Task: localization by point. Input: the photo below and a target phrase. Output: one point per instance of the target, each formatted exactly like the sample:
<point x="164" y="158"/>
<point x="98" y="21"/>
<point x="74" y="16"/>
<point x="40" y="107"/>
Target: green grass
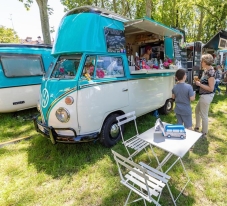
<point x="16" y="125"/>
<point x="35" y="172"/>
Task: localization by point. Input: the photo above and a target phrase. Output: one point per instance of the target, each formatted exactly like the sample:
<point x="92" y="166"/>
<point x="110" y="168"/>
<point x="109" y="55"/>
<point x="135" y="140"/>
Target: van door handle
<point x="124" y="90"/>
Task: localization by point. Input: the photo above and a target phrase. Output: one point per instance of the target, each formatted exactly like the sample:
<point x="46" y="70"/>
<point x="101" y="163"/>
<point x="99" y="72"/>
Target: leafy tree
<point x="8" y="35"/>
<point x="44" y="11"/>
<point x="200" y="19"/>
<point x="123" y="7"/>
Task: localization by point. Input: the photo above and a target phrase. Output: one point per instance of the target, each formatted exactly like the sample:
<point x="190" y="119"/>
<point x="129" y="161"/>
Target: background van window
<point x="19" y="66"/>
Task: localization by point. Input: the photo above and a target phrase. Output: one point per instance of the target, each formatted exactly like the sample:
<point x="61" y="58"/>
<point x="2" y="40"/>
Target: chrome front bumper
<point x="51" y="133"/>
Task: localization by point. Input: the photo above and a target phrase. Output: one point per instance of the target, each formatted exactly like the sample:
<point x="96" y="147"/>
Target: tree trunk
<point x="102" y="3"/>
<point x="114" y="6"/>
<point x="173" y="13"/>
<point x="123" y="12"/>
<point x="44" y="20"/>
<point x="148" y="8"/>
<point x="200" y="29"/>
<point x="128" y="9"/>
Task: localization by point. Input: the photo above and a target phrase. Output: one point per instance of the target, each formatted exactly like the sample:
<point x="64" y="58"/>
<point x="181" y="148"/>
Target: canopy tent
<point x="218" y="41"/>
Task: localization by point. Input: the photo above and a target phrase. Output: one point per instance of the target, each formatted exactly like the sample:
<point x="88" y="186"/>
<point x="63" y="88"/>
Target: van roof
<point x="96" y="10"/>
<point x="26" y="45"/>
<point x="173" y="126"/>
<point x="89" y="38"/>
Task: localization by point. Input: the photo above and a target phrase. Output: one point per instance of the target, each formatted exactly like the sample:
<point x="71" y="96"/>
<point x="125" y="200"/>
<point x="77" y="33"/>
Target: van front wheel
<point x="167" y="108"/>
<point x="110" y="133"/>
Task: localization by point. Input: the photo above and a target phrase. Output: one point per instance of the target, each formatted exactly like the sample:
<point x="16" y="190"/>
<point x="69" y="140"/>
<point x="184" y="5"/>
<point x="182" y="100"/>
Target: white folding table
<point x="174" y="146"/>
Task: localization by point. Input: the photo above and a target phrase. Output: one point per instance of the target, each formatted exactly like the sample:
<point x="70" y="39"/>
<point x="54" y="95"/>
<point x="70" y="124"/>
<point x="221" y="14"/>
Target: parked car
<point x="21" y="70"/>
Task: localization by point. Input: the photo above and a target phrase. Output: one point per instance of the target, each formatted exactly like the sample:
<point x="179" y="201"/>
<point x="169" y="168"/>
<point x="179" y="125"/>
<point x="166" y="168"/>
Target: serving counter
<point x="153" y="71"/>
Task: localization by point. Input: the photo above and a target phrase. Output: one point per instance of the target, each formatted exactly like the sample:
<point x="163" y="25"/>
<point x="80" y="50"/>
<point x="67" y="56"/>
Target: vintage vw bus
<point x="92" y="81"/>
<point x="21" y="70"/>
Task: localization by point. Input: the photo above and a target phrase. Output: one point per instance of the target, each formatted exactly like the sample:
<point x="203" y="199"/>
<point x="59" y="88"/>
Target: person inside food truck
<point x="148" y="52"/>
<point x="88" y="70"/>
<point x="147" y="58"/>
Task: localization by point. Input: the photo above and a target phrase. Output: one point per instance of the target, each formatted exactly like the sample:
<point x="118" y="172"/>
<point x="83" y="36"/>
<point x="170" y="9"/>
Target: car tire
<point x="182" y="136"/>
<point x="167" y="108"/>
<point x="169" y="136"/>
<point x="110" y="133"/>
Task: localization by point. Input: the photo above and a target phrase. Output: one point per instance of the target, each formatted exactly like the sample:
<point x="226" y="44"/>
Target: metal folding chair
<point x="134" y="143"/>
<point x="142" y="179"/>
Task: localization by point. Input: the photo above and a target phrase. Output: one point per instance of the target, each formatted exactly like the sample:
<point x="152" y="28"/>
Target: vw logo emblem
<point x="45" y="98"/>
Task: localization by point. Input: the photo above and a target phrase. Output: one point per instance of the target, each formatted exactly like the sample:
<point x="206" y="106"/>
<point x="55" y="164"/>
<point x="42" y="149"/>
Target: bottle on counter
<point x="132" y="61"/>
<point x="137" y="61"/>
<point x="129" y="61"/>
<point x="161" y="64"/>
<point x="143" y="63"/>
<point x="155" y="62"/>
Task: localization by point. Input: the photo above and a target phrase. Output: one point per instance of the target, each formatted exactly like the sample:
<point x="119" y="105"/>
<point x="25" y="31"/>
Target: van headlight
<point x="62" y="115"/>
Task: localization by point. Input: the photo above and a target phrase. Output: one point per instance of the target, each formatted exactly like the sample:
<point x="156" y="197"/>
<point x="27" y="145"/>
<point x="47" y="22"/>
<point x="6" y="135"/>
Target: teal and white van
<point x="94" y="78"/>
<point x="21" y="70"/>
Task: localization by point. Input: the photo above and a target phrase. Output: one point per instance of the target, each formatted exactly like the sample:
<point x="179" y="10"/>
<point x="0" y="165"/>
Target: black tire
<point x="110" y="133"/>
<point x="167" y="108"/>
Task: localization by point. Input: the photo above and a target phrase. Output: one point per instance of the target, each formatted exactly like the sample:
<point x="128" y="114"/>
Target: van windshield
<point x="66" y="67"/>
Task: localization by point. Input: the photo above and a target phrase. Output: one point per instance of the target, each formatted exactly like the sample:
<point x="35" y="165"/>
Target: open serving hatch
<point x="148" y="25"/>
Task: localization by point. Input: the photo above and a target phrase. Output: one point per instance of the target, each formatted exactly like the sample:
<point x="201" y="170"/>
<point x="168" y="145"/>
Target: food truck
<point x="95" y="77"/>
<point x="21" y="70"/>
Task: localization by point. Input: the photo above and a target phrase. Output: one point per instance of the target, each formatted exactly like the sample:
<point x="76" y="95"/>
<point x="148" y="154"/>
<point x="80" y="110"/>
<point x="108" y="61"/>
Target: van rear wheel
<point x="167" y="108"/>
<point x="110" y="133"/>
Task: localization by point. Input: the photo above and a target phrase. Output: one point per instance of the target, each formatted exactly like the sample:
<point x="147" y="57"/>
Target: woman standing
<point x="206" y="93"/>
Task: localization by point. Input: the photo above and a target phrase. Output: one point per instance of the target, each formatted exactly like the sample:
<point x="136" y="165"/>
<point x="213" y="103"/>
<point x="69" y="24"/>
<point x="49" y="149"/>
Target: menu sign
<point x="180" y="53"/>
<point x="197" y="53"/>
<point x="176" y="47"/>
<point x="184" y="63"/>
<point x="115" y="40"/>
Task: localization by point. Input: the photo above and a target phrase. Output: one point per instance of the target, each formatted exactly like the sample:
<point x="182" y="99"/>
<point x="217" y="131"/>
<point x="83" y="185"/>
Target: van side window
<point x="109" y="67"/>
<point x="22" y="65"/>
<point x="49" y="70"/>
<point x="89" y="67"/>
<point x="66" y="67"/>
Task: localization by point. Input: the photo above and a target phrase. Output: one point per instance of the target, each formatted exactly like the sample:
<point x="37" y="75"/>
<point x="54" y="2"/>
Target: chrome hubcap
<point x="114" y="131"/>
<point x="169" y="105"/>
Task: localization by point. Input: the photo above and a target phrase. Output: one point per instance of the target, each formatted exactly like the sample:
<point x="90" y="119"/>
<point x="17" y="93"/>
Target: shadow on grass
<point x="63" y="159"/>
<point x="218" y="98"/>
<point x="201" y="147"/>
